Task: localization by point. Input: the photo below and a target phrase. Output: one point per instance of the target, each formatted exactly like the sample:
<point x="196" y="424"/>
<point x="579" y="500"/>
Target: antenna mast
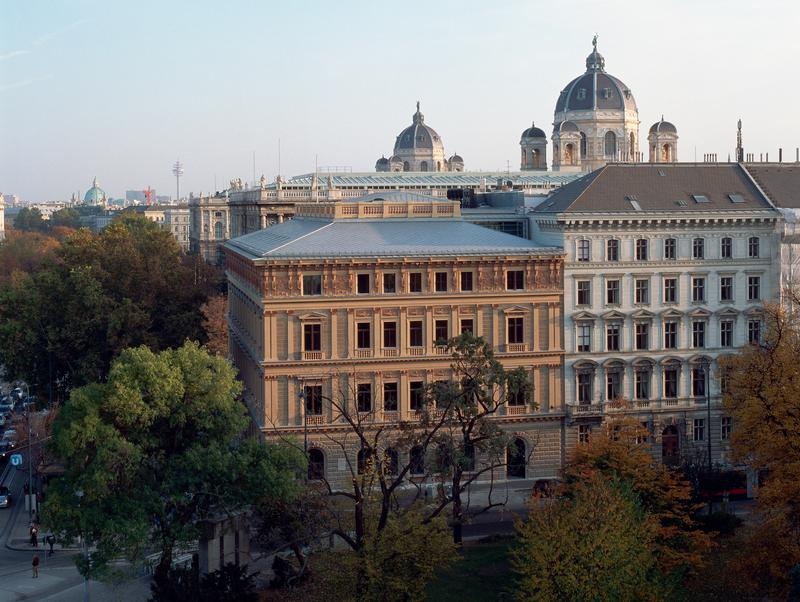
<point x="177" y="171"/>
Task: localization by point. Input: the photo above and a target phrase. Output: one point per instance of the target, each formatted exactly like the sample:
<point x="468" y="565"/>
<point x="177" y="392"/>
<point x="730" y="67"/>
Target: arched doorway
<point x="515" y="459"/>
<point x="670" y="445"/>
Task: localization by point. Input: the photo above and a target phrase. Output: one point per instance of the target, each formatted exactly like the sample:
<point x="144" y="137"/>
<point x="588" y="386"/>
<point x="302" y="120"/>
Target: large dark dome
<point x="418" y="135"/>
<point x="595" y="89"/>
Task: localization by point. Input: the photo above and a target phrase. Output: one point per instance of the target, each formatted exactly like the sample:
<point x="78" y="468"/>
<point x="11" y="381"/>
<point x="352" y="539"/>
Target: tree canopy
<point x="30" y="219"/>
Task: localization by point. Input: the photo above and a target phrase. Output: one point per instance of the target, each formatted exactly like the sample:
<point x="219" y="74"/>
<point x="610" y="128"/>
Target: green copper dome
<point x="95" y="195"/>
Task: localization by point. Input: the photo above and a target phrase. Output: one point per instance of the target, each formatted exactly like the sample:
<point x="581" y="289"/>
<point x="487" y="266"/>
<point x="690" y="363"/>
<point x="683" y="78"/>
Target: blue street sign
<point x="16" y="459"/>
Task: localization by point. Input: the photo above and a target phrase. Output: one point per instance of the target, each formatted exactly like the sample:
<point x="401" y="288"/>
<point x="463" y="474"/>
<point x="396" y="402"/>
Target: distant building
<point x="209" y="217"/>
<point x="176" y="220"/>
<point x="2" y="217"/>
<point x="95" y="196"/>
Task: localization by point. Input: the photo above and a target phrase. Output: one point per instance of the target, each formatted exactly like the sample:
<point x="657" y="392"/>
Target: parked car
<point x="5" y="497"/>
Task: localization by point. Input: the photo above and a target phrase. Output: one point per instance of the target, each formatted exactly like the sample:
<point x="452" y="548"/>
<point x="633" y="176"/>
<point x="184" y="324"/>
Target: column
<point x="402" y="334"/>
<point x="334" y="341"/>
<point x="290" y="336"/>
<point x="403" y="409"/>
<point x="495" y="327"/>
<point x="428" y="334"/>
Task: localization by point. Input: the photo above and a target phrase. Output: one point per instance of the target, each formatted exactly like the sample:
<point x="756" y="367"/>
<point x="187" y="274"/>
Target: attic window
<point x="680" y="203"/>
<point x="661" y="173"/>
<point x="581" y="93"/>
<point x="631" y="197"/>
<point x="635" y="204"/>
<point x="606" y="93"/>
<point x="700" y="198"/>
<point x="736" y="198"/>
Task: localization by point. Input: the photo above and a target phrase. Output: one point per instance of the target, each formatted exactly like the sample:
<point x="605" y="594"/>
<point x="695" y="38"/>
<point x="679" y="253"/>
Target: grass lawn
<point x="482" y="573"/>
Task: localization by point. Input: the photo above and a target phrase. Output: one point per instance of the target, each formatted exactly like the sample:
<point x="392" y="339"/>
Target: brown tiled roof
<point x="676" y="187"/>
<point x="779" y="181"/>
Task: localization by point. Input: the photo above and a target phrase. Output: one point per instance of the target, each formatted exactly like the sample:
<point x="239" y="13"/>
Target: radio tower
<point x="177" y="171"/>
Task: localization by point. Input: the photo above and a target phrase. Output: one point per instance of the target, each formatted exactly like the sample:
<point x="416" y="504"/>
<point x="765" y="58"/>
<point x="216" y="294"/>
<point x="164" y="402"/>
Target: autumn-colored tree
<point x="215" y="324"/>
<point x="23" y="252"/>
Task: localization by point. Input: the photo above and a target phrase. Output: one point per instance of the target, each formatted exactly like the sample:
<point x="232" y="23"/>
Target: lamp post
<point x="79" y="494"/>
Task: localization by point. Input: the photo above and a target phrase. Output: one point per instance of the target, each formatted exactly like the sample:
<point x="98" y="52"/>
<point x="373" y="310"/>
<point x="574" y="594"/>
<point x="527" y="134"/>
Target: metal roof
<point x="779" y="181"/>
<point x="441" y="179"/>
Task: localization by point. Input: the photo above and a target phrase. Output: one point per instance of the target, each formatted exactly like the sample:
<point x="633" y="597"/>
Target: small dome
<point x="663" y="127"/>
<point x="382" y="161"/>
<point x="533" y="132"/>
<point x="395" y="159"/>
<point x="95" y="195"/>
<point x="566" y="126"/>
<point x="456" y="159"/>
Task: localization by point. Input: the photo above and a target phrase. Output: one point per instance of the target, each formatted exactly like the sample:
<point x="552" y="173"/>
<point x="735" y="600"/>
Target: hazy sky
<point x="120" y="90"/>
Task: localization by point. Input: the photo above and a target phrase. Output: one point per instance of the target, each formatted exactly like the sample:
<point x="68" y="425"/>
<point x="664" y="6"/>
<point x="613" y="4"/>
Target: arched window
<point x="632" y="149"/>
<point x="515" y="459"/>
<point x="666" y="153"/>
<point x="417" y="460"/>
<point x="390" y="462"/>
<point x="584" y="146"/>
<point x="670" y="445"/>
<point x="423" y="166"/>
<point x="316" y="465"/>
<point x="364" y="460"/>
<point x="406" y="166"/>
<point x="438" y="166"/>
<point x="611" y="144"/>
<point x="525" y="158"/>
<point x="569" y="154"/>
<point x="536" y="159"/>
<point x="218" y="230"/>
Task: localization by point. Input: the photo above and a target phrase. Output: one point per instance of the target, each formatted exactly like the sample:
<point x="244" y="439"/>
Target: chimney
<point x="780" y="155"/>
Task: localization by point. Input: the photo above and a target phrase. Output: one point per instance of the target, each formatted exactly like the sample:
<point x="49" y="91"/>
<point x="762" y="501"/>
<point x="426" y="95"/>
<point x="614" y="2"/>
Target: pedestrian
<point x="35" y="566"/>
<point x="50" y="541"/>
<point x="34" y="536"/>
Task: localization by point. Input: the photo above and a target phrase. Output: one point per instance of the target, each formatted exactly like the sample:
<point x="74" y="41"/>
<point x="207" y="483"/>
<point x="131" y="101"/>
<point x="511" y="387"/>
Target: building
<point x="176" y="220"/>
<point x="95" y="196"/>
<point x="209" y="218"/>
<point x="2" y="217"/>
<point x="666" y="268"/>
<point x="352" y="296"/>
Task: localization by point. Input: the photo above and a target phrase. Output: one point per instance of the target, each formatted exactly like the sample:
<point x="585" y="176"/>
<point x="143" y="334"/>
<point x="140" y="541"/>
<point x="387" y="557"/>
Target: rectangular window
<point x="753" y="288"/>
<point x="753" y="247"/>
<point x="312" y="394"/>
<point x="584" y="292"/>
<point x="312" y="284"/>
<point x="363" y="338"/>
<point x="363" y="284"/>
<point x="613" y="382"/>
<point x="515" y="330"/>
<point x="642" y="336"/>
<point x="440" y="331"/>
<point x="390" y="334"/>
<point x="364" y="397"/>
<point x="642" y="290"/>
<point x="440" y="282"/>
<point x="642" y="384"/>
<point x="467" y="325"/>
<point x="584" y="337"/>
<point x="726" y="426"/>
<point x="612" y="292"/>
<point x="726" y="288"/>
<point x="698" y="334"/>
<point x="416" y="394"/>
<point x="670" y="335"/>
<point x="415" y="333"/>
<point x="726" y="333"/>
<point x="670" y="290"/>
<point x="699" y="429"/>
<point x="466" y="281"/>
<point x="584" y="250"/>
<point x="670" y="248"/>
<point x="698" y="248"/>
<point x="612" y="337"/>
<point x="671" y="382"/>
<point x="515" y="280"/>
<point x="612" y="250"/>
<point x="517" y="398"/>
<point x="584" y="430"/>
<point x="389" y="283"/>
<point x="415" y="282"/>
<point x="641" y="249"/>
<point x="726" y="248"/>
<point x="585" y="387"/>
<point x="390" y="397"/>
<point x="698" y="288"/>
<point x="312" y="337"/>
<point x="754" y="331"/>
<point x="699" y="381"/>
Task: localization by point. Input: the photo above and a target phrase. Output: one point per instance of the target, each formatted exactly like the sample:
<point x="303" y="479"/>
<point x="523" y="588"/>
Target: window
<point x="699" y="381"/>
<point x="584" y="337"/>
<point x="391" y="462"/>
<point x="612" y="292"/>
<point x="363" y="284"/>
<point x="312" y="394"/>
<point x="726" y="333"/>
<point x="670" y="290"/>
<point x="312" y="284"/>
<point x="584" y="430"/>
<point x="316" y="465"/>
<point x="726" y="426"/>
<point x="416" y="394"/>
<point x="440" y="282"/>
<point x="466" y="281"/>
<point x="584" y="292"/>
<point x="642" y="332"/>
<point x="698" y="334"/>
<point x="642" y="290"/>
<point x="517" y="398"/>
<point x="641" y="249"/>
<point x="726" y="288"/>
<point x="642" y="383"/>
<point x="415" y="333"/>
<point x="699" y="429"/>
<point x="440" y="331"/>
<point x="364" y="460"/>
<point x="585" y="378"/>
<point x="417" y="460"/>
<point x="363" y="335"/>
<point x="584" y="253"/>
<point x="753" y="288"/>
<point x="515" y="330"/>
<point x="612" y="250"/>
<point x="670" y="248"/>
<point x="726" y="248"/>
<point x="390" y="334"/>
<point x="613" y="383"/>
<point x="515" y="280"/>
<point x="415" y="282"/>
<point x="752" y="247"/>
<point x="754" y="331"/>
<point x="390" y="397"/>
<point x="364" y="397"/>
<point x="698" y="288"/>
<point x="312" y="338"/>
<point x="670" y="335"/>
<point x="698" y="248"/>
<point x="612" y="337"/>
<point x="671" y="374"/>
<point x="389" y="283"/>
<point x="467" y="326"/>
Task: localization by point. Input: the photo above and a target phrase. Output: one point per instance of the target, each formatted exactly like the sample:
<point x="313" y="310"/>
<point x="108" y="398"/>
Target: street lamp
<point x="79" y="494"/>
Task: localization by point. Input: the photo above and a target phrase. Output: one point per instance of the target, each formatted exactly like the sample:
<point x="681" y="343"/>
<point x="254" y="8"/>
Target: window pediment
<point x="671" y="313"/>
<point x="613" y="315"/>
<point x="516" y="309"/>
<point x="642" y="314"/>
<point x="699" y="313"/>
<point x="727" y="312"/>
<point x="312" y="317"/>
<point x="756" y="311"/>
<point x="583" y="316"/>
<point x="614" y="362"/>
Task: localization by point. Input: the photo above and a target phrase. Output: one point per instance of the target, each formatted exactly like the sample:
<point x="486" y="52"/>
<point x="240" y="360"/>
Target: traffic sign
<point x="16" y="459"/>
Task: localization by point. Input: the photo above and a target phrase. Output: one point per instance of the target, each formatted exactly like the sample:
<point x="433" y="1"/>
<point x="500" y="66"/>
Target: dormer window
<point x="581" y="93"/>
<point x="606" y="93"/>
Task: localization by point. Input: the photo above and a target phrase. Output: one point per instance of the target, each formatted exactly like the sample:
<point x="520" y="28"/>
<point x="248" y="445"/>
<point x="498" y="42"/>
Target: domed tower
<point x="533" y="152"/>
<point x="418" y="148"/>
<point x="605" y="113"/>
<point x="663" y="142"/>
<point x="568" y="147"/>
<point x="455" y="163"/>
<point x="383" y="164"/>
<point x="95" y="196"/>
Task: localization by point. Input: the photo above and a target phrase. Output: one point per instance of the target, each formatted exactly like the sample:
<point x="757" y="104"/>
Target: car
<point x="5" y="497"/>
<point x="6" y="449"/>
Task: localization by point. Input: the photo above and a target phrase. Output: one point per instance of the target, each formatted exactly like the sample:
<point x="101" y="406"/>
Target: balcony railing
<point x="516" y="410"/>
<point x="516" y="347"/>
<point x="312" y="355"/>
<point x="363" y="352"/>
<point x="390" y="352"/>
<point x="440" y="350"/>
<point x="416" y="351"/>
<point x="315" y="419"/>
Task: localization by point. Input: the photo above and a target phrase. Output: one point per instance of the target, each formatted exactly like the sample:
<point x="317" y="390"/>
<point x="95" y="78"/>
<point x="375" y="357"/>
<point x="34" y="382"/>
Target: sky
<point x="121" y="90"/>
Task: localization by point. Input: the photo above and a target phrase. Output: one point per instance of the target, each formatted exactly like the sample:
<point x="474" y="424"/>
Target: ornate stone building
<point x="663" y="142"/>
<point x="209" y="218"/>
<point x="95" y="196"/>
<point x="533" y="151"/>
<point x="351" y="296"/>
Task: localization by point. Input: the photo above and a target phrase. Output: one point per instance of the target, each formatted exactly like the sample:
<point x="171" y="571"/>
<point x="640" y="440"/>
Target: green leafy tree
<point x="30" y="219"/>
<point x="67" y="217"/>
<point x="154" y="450"/>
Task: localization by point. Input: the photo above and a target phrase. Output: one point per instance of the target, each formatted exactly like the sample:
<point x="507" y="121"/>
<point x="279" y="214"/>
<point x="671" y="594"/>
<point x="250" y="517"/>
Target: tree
<point x="215" y="324"/>
<point x="154" y="450"/>
<point x="24" y="252"/>
<point x="598" y="544"/>
<point x="67" y="217"/>
<point x="30" y="219"/>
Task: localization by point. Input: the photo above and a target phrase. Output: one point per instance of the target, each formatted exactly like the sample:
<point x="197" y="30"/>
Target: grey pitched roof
<point x="315" y="238"/>
<point x="779" y="181"/>
<point x="674" y="188"/>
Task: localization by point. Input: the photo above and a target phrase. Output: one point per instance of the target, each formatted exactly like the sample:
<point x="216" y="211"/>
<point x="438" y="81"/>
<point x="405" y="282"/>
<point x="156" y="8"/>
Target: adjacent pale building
<point x="209" y="217"/>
